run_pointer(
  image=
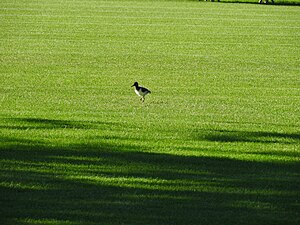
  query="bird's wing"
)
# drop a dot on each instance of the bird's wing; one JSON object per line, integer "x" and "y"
{"x": 145, "y": 89}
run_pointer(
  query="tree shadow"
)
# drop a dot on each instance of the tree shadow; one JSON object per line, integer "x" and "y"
{"x": 107, "y": 184}
{"x": 247, "y": 136}
{"x": 40, "y": 123}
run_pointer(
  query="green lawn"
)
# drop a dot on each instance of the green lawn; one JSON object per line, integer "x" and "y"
{"x": 277, "y": 2}
{"x": 217, "y": 141}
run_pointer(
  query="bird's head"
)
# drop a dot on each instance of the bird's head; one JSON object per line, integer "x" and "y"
{"x": 135, "y": 84}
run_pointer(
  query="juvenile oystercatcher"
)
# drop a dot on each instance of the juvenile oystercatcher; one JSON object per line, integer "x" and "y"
{"x": 140, "y": 91}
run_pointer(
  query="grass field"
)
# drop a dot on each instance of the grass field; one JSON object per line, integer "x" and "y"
{"x": 217, "y": 141}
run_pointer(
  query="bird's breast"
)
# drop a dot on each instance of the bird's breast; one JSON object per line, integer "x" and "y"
{"x": 138, "y": 92}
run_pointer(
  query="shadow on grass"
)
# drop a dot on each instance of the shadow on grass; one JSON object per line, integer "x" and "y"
{"x": 39, "y": 123}
{"x": 106, "y": 184}
{"x": 247, "y": 136}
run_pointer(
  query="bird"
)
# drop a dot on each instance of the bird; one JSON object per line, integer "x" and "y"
{"x": 140, "y": 91}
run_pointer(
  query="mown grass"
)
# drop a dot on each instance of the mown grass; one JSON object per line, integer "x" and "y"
{"x": 217, "y": 141}
{"x": 276, "y": 2}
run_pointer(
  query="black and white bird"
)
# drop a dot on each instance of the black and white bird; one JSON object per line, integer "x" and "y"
{"x": 140, "y": 91}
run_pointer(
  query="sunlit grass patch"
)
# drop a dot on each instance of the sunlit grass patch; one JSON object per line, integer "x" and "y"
{"x": 45, "y": 222}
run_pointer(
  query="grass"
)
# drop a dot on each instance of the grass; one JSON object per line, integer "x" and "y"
{"x": 217, "y": 141}
{"x": 276, "y": 2}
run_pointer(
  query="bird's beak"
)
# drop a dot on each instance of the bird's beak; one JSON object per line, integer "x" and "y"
{"x": 132, "y": 85}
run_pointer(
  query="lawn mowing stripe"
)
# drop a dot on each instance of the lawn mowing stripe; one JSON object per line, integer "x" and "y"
{"x": 158, "y": 18}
